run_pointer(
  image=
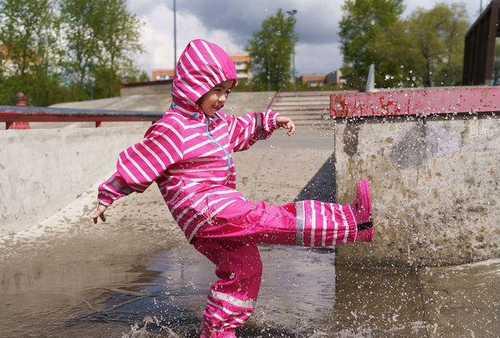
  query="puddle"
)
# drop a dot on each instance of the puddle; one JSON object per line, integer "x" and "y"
{"x": 390, "y": 301}
{"x": 138, "y": 288}
{"x": 68, "y": 292}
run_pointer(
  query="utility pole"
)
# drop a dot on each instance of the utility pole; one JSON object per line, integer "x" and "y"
{"x": 480, "y": 6}
{"x": 175, "y": 35}
{"x": 291, "y": 14}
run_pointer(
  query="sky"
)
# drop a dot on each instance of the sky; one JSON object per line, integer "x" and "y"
{"x": 230, "y": 23}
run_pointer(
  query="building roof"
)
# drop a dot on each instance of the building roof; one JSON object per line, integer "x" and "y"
{"x": 312, "y": 77}
{"x": 167, "y": 72}
{"x": 240, "y": 58}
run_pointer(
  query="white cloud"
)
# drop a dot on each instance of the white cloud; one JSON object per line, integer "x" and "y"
{"x": 231, "y": 23}
{"x": 157, "y": 36}
{"x": 317, "y": 58}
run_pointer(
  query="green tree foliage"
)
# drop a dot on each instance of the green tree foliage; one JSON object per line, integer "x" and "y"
{"x": 360, "y": 28}
{"x": 271, "y": 49}
{"x": 426, "y": 49}
{"x": 65, "y": 50}
{"x": 28, "y": 42}
{"x": 438, "y": 35}
{"x": 101, "y": 35}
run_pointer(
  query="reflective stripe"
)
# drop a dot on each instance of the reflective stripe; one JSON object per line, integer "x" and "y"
{"x": 323, "y": 233}
{"x": 346, "y": 224}
{"x": 313, "y": 224}
{"x": 300, "y": 219}
{"x": 235, "y": 315}
{"x": 335, "y": 225}
{"x": 250, "y": 304}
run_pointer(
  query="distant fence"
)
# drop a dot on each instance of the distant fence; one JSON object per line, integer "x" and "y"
{"x": 416, "y": 102}
{"x": 15, "y": 114}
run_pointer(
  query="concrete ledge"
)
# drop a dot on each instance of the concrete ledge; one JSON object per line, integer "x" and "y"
{"x": 42, "y": 171}
{"x": 435, "y": 184}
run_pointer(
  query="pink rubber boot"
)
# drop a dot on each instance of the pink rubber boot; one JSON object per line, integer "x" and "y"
{"x": 362, "y": 208}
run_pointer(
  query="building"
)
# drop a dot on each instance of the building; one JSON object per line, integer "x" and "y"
{"x": 243, "y": 68}
{"x": 242, "y": 63}
{"x": 163, "y": 74}
{"x": 312, "y": 80}
{"x": 335, "y": 78}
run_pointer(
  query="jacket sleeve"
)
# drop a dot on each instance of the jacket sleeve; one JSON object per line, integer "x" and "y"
{"x": 143, "y": 163}
{"x": 245, "y": 130}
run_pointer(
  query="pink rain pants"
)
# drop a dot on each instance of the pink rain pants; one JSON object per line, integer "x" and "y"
{"x": 231, "y": 244}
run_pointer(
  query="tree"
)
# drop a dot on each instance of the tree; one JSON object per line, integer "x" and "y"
{"x": 363, "y": 22}
{"x": 271, "y": 49}
{"x": 101, "y": 35}
{"x": 424, "y": 50}
{"x": 438, "y": 35}
{"x": 28, "y": 42}
{"x": 130, "y": 73}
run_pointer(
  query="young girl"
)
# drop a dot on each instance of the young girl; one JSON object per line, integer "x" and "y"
{"x": 188, "y": 154}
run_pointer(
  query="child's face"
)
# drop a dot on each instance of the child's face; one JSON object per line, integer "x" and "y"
{"x": 214, "y": 100}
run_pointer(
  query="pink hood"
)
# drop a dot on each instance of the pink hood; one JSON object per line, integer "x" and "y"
{"x": 201, "y": 66}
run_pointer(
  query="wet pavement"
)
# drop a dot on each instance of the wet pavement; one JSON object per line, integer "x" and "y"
{"x": 136, "y": 276}
{"x": 398, "y": 301}
{"x": 75, "y": 293}
{"x": 90, "y": 287}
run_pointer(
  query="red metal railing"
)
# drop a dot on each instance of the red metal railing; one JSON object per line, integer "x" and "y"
{"x": 15, "y": 114}
{"x": 416, "y": 102}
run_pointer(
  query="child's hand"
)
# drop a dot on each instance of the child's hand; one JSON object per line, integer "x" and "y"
{"x": 99, "y": 213}
{"x": 287, "y": 123}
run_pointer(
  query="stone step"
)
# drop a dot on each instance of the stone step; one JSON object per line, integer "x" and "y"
{"x": 317, "y": 114}
{"x": 300, "y": 108}
{"x": 306, "y": 94}
{"x": 303, "y": 99}
{"x": 302, "y": 104}
{"x": 316, "y": 124}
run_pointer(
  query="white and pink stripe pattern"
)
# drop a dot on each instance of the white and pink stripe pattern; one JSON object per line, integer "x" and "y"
{"x": 225, "y": 312}
{"x": 322, "y": 224}
{"x": 187, "y": 153}
{"x": 190, "y": 159}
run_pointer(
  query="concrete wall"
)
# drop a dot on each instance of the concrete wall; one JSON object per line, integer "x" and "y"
{"x": 436, "y": 187}
{"x": 42, "y": 171}
{"x": 238, "y": 102}
{"x": 147, "y": 88}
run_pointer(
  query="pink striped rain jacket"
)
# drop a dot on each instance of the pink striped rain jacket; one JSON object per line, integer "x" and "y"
{"x": 186, "y": 153}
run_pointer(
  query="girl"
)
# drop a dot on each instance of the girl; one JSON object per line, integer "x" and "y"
{"x": 188, "y": 154}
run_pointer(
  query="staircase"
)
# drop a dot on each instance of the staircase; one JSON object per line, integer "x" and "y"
{"x": 305, "y": 108}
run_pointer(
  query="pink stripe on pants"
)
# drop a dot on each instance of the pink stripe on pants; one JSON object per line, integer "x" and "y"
{"x": 231, "y": 244}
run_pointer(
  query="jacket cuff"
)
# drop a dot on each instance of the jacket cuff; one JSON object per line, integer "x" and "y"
{"x": 271, "y": 119}
{"x": 104, "y": 198}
